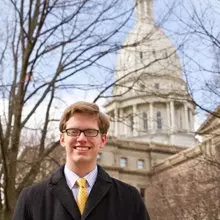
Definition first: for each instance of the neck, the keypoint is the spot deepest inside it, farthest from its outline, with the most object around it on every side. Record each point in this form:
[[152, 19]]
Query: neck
[[81, 169]]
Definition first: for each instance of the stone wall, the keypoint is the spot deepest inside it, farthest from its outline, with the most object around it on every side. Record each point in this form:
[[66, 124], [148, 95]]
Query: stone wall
[[187, 185]]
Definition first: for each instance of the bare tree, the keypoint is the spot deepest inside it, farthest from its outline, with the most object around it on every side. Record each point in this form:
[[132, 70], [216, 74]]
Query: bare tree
[[46, 46], [50, 48], [195, 27]]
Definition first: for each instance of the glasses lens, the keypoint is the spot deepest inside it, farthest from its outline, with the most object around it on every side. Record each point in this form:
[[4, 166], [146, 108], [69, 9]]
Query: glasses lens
[[72, 132], [91, 133]]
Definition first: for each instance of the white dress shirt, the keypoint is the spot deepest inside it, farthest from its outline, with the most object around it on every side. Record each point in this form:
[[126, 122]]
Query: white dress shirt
[[71, 179]]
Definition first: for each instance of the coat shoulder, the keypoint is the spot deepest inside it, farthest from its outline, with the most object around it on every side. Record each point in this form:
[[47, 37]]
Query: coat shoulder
[[37, 189], [123, 185], [131, 196], [118, 185], [126, 189]]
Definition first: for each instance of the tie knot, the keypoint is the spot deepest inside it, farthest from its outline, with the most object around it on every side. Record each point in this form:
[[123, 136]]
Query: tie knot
[[81, 182]]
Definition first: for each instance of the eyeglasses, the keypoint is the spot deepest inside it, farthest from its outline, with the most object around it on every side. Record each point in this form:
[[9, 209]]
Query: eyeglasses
[[74, 132]]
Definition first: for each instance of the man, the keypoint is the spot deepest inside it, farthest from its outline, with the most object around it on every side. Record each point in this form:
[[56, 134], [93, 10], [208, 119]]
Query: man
[[83, 130]]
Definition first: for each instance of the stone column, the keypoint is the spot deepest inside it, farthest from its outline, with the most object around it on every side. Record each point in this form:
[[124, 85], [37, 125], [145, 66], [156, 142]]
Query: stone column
[[151, 119], [121, 125], [186, 117], [172, 113], [135, 118], [168, 117], [116, 122], [192, 120], [112, 124]]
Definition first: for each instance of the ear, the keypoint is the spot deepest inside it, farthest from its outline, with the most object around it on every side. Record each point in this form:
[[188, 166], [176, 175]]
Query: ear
[[103, 140], [62, 141]]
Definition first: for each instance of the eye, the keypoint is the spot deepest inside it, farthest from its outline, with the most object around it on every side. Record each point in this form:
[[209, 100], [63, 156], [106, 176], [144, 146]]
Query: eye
[[91, 132], [72, 132]]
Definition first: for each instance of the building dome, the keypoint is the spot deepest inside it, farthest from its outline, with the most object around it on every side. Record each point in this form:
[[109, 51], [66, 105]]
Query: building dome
[[151, 102], [145, 55], [147, 50]]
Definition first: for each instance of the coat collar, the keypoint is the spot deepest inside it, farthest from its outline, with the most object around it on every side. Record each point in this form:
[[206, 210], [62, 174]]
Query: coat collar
[[99, 190], [63, 193]]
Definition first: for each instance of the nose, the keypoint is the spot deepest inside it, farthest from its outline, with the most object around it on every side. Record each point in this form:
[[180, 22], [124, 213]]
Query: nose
[[81, 137]]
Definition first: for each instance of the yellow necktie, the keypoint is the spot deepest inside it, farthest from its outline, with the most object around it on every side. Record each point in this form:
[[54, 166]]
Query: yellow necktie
[[82, 194]]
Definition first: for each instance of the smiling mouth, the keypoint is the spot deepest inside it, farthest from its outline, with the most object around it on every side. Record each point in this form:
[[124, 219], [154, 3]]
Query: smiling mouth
[[82, 148]]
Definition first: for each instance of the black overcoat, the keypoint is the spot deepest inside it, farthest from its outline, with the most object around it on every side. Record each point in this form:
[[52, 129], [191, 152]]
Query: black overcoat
[[109, 199]]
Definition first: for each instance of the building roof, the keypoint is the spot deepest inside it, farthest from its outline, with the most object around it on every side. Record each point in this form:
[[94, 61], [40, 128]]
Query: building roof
[[210, 122]]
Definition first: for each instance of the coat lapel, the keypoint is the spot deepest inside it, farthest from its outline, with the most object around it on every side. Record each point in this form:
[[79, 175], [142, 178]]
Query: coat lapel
[[64, 194], [99, 190]]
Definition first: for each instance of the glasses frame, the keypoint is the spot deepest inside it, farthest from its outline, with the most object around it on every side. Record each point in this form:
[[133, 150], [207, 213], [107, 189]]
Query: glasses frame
[[79, 131]]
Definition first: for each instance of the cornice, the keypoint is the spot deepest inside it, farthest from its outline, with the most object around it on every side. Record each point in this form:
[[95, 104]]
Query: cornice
[[179, 158], [144, 146], [209, 120], [121, 170], [177, 97]]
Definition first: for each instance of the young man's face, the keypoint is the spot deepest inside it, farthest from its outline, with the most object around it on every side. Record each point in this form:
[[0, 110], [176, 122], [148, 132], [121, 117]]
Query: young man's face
[[82, 150]]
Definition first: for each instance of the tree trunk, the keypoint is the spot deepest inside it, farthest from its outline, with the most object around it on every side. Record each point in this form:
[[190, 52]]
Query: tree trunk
[[5, 215]]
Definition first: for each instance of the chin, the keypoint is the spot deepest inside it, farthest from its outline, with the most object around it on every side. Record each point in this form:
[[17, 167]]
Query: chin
[[81, 159]]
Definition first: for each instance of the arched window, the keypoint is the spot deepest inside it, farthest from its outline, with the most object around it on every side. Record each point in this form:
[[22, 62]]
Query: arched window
[[165, 54], [159, 120], [131, 123], [157, 85], [154, 52], [141, 55], [145, 121]]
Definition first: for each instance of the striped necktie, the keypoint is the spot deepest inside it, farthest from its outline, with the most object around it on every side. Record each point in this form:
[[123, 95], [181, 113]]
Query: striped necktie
[[82, 194]]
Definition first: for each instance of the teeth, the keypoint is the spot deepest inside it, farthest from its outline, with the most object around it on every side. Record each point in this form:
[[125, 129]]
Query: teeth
[[82, 148]]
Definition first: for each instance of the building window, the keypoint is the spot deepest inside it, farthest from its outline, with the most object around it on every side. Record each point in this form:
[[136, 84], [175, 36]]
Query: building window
[[145, 121], [165, 54], [157, 85], [142, 193], [159, 120], [142, 86], [141, 55], [140, 164], [131, 123], [99, 156], [123, 162], [154, 52]]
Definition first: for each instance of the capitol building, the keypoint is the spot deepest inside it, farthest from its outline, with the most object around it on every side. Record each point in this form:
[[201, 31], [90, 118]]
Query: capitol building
[[152, 137], [152, 114]]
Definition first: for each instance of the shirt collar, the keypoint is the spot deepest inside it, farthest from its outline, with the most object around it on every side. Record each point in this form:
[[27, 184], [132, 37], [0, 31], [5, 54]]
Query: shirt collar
[[72, 177]]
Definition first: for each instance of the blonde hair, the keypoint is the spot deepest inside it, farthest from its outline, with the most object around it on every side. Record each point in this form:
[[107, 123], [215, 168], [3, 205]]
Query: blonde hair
[[85, 108]]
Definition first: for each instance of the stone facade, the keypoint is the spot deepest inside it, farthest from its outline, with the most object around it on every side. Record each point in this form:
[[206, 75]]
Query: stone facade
[[132, 161], [187, 185], [151, 102]]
